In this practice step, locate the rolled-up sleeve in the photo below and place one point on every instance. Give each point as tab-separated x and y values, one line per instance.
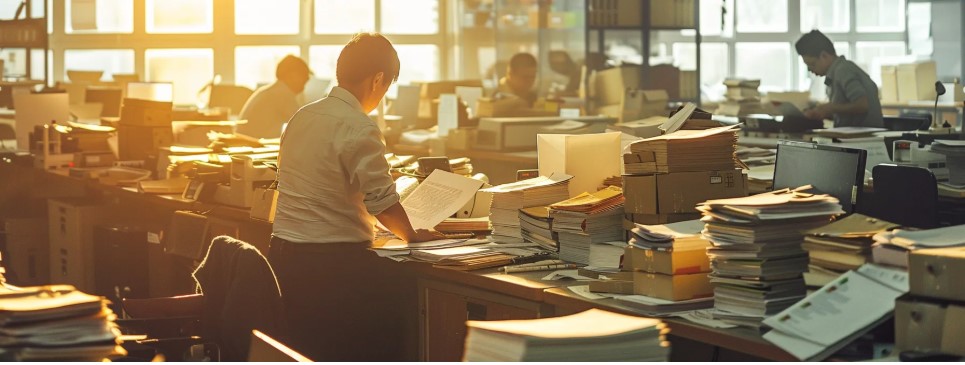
364	158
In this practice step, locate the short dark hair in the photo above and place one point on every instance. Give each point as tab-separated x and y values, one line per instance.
813	43
364	56
522	60
290	64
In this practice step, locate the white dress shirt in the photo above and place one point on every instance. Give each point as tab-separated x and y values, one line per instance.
267	110
332	175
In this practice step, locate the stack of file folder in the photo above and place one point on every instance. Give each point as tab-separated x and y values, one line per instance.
587	219
508	199
593	335
56	323
684	150
757	261
537	226
742	98
893	247
670	261
841	246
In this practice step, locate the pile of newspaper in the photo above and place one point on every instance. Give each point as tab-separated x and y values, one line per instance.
587	219
757	262
537	226
56	323
593	335
841	246
508	199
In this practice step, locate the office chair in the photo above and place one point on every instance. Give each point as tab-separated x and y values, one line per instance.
907	123
906	195
232	97
238	293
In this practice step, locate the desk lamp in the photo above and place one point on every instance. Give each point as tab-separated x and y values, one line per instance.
937	127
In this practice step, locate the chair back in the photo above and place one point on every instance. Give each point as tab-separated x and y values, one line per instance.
907	195
232	97
906	123
266	349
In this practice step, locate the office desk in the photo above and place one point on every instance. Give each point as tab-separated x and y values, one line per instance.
952	112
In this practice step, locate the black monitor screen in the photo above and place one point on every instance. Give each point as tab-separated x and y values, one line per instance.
836	171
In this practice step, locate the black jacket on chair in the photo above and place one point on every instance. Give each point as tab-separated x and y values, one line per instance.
240	294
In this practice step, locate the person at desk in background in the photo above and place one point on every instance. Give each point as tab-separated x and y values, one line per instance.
852	94
271	105
333	182
519	80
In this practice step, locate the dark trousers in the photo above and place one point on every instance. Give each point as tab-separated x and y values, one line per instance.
344	303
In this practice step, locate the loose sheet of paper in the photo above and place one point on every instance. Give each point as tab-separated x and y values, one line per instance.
448	113
438	197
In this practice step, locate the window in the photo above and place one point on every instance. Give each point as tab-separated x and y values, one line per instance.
37	64
101	16
869	55
716	18
344	17
8	8
419	62
770	62
110	61
761	16
14	62
322	60
880	15
713	61
255	65
267	17
830	16
410	16
189	69
179	16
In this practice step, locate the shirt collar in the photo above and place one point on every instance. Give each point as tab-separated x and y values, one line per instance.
833	69
347	97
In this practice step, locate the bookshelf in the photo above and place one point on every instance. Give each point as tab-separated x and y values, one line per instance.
608	20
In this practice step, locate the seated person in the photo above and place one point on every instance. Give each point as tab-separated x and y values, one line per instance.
272	105
853	95
519	80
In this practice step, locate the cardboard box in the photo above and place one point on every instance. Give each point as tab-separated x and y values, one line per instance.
920	325
70	230
651	219
431	91
677	262
612	286
916	81
672	287
146	113
680	192
889	83
26	254
263	204
610	85
937	273
139	143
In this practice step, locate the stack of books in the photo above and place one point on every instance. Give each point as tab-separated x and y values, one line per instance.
587	219
56	323
893	247
536	226
670	261
841	246
757	262
508	199
593	335
684	150
742	98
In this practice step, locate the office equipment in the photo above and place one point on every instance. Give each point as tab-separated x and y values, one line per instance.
954	152
909	193
519	134
232	97
247	173
837	171
155	91
36	110
838	313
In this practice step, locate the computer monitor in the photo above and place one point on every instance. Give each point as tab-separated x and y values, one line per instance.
833	170
156	91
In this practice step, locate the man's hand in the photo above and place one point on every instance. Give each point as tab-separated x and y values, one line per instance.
423	235
820	111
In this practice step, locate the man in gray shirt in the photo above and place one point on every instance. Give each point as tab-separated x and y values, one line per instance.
853	96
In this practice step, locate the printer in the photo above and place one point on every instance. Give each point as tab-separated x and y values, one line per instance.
247	173
519	133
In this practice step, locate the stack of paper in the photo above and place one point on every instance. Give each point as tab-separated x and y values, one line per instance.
460	225
668	236
594	335
508	199
685	150
56	323
536	226
757	261
656	307
463	258
841	246
892	248
586	219
742	98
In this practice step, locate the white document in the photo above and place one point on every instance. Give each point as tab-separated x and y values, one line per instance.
448	113
705	317
31	110
470	95
584	291
589	158
566	274
842	310
438	197
877	151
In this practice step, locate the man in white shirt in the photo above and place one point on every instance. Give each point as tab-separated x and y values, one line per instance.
271	105
333	182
